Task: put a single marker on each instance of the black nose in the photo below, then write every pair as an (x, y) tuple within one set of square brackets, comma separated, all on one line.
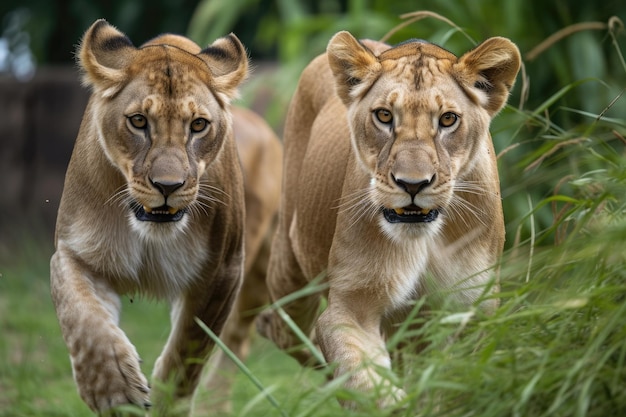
[(413, 187), (167, 187)]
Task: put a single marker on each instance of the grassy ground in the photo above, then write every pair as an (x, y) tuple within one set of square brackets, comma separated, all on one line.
[(34, 365)]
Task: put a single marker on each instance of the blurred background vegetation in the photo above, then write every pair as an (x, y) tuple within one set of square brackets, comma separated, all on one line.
[(558, 344)]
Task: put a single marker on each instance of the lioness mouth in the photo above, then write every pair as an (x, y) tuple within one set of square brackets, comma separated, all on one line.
[(410, 214), (161, 214)]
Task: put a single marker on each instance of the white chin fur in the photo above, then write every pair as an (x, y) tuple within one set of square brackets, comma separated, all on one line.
[(401, 232), (158, 232)]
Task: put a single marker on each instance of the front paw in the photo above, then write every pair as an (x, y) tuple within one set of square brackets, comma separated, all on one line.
[(390, 397), (375, 392), (109, 375)]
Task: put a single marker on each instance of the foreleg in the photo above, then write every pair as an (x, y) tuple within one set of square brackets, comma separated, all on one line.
[(105, 363)]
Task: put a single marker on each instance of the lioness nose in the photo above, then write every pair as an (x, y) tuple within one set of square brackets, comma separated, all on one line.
[(413, 187), (167, 187)]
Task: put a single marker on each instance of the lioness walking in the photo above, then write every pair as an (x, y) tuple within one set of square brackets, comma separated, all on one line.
[(391, 187), (153, 204)]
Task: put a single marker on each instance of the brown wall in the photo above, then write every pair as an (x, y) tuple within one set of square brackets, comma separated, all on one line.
[(39, 121)]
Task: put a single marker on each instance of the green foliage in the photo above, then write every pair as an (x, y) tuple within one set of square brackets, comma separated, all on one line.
[(35, 373), (54, 28)]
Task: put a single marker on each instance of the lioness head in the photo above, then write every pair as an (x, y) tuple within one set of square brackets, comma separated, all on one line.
[(162, 117), (419, 120)]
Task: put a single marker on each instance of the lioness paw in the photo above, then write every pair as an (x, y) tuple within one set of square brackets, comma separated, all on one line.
[(109, 376), (386, 395)]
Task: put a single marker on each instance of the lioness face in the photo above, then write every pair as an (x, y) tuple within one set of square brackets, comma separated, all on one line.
[(163, 120), (162, 141), (419, 120), (413, 142)]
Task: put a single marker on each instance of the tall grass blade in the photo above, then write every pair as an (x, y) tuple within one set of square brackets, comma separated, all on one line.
[(303, 338), (264, 391)]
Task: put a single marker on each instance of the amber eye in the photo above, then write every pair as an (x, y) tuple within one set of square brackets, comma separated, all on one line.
[(138, 121), (448, 119), (384, 116), (198, 125)]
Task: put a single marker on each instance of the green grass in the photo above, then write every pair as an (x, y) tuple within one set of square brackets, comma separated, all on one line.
[(34, 364)]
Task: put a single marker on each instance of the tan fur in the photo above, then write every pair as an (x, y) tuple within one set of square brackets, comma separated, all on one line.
[(261, 155), (143, 142), (343, 166)]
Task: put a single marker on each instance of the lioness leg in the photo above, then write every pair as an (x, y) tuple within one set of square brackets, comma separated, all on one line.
[(285, 277), (349, 334), (215, 400), (188, 344), (105, 363)]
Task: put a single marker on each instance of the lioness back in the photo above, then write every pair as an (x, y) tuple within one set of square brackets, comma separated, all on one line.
[(391, 192), (315, 157)]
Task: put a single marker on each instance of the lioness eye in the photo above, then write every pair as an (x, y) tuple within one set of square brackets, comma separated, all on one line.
[(138, 121), (384, 116), (198, 125), (448, 119)]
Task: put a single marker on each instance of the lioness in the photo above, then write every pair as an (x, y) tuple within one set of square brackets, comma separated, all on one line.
[(391, 187), (153, 204)]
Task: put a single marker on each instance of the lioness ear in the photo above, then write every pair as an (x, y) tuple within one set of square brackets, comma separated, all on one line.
[(228, 62), (353, 65), (103, 55), (490, 68)]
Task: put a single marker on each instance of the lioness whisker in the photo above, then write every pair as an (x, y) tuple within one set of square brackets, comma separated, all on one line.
[(461, 205), (119, 196), (205, 186), (456, 211), (360, 211), (473, 187), (207, 193), (208, 199), (364, 208), (199, 208), (349, 201)]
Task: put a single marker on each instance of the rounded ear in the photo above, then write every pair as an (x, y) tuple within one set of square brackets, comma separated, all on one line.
[(103, 55), (353, 65), (490, 70), (228, 63)]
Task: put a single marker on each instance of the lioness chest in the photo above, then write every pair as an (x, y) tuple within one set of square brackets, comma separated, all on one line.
[(131, 263)]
